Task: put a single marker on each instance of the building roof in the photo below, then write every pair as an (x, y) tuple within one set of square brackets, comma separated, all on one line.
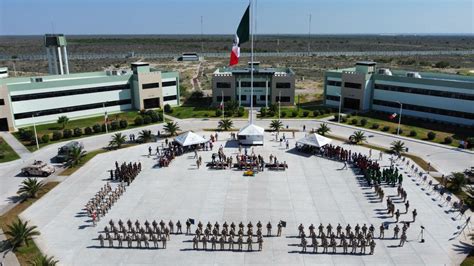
[(251, 130)]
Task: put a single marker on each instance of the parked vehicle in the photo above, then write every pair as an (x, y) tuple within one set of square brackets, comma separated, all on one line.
[(38, 168), (63, 152)]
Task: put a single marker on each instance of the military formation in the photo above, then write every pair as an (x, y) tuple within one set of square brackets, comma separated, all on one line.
[(138, 235), (233, 237), (100, 204)]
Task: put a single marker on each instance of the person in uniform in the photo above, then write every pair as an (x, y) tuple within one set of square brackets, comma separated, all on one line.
[(231, 242), (311, 230), (111, 242), (344, 246), (348, 229), (101, 240), (338, 230), (320, 229), (397, 215), (280, 226), (354, 247), (145, 241), (396, 230), (221, 242), (260, 243), (403, 239), (303, 244), (269, 229), (329, 229), (188, 227), (240, 241), (325, 245), (249, 243), (357, 229), (333, 244), (195, 242), (213, 243), (382, 231), (314, 243), (178, 228), (343, 237), (119, 238), (362, 245), (171, 225), (204, 243), (300, 230), (167, 233), (155, 241), (164, 241), (372, 247), (407, 205), (371, 230), (414, 214), (364, 230)]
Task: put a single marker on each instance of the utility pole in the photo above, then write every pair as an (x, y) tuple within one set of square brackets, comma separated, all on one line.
[(309, 35), (399, 118), (202, 36)]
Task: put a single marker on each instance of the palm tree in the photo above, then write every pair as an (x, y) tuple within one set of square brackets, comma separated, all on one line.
[(20, 233), (323, 129), (225, 124), (63, 120), (43, 260), (276, 125), (398, 147), (30, 187), (457, 182), (357, 137), (117, 140), (145, 136), (171, 127), (75, 155)]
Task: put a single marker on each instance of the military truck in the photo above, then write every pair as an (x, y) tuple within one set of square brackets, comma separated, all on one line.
[(38, 168), (63, 151)]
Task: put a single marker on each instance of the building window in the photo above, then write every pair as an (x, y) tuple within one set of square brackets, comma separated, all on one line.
[(263, 97), (71, 109), (2, 102), (425, 109), (168, 83), (150, 86), (256, 84), (52, 94), (151, 103), (283, 85), (334, 83), (223, 85), (243, 97), (352, 85), (226, 98), (170, 98), (332, 98), (284, 99), (437, 93)]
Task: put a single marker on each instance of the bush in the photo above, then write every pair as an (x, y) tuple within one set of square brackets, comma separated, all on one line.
[(470, 142), (88, 131), (168, 109), (336, 116), (146, 120), (448, 140), (153, 115), (386, 128), (283, 114), (400, 132), (363, 122), (316, 113), (138, 121), (77, 132), (218, 112), (263, 111), (241, 111), (124, 124), (305, 113), (354, 121), (431, 135), (375, 125), (26, 134), (105, 127), (294, 113), (413, 133), (348, 116), (45, 138), (344, 119), (442, 64), (114, 125), (67, 133), (97, 128), (327, 111), (57, 135)]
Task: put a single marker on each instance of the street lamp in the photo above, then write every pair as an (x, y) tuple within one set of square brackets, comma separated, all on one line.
[(399, 118), (279, 104), (34, 128), (340, 104)]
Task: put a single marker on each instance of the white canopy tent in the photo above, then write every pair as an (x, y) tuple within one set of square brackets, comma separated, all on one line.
[(314, 140), (251, 135), (190, 138)]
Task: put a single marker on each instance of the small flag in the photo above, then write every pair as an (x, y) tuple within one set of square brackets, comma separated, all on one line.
[(241, 36), (283, 223), (191, 220), (106, 117), (392, 116), (221, 105)]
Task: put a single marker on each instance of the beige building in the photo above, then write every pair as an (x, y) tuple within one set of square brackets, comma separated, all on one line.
[(270, 85)]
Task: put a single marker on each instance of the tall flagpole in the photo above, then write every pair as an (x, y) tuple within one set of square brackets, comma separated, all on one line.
[(251, 63)]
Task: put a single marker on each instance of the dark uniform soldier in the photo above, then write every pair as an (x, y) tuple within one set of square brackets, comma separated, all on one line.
[(354, 247), (396, 230), (240, 241), (357, 229), (231, 243), (344, 246), (333, 244), (343, 237), (329, 229), (314, 242), (145, 241), (259, 225), (195, 242), (204, 242), (269, 229), (338, 230), (382, 231), (311, 230), (260, 243), (249, 242), (188, 227), (372, 247), (222, 242), (397, 214), (280, 225), (362, 245), (213, 243), (164, 241), (348, 229), (414, 214), (325, 245), (403, 239), (407, 205), (300, 229), (371, 230), (101, 239), (320, 229), (178, 228), (171, 225), (154, 238), (167, 233), (364, 230), (129, 241), (303, 244), (119, 238)]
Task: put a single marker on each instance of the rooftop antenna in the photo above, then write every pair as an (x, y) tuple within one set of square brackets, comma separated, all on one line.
[(309, 35), (202, 38)]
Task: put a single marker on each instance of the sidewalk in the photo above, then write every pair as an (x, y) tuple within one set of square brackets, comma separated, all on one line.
[(7, 258), (21, 150)]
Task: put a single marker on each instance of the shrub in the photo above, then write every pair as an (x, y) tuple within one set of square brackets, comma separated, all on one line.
[(263, 111), (67, 133), (448, 140), (470, 142), (431, 135), (336, 116), (168, 109), (344, 119), (413, 133), (348, 116), (241, 111), (218, 112), (138, 121), (124, 124), (25, 134), (294, 113), (57, 135), (88, 131), (305, 113), (104, 127), (354, 121), (77, 132), (375, 125), (283, 114), (316, 113), (97, 128), (363, 122), (327, 111), (45, 138), (114, 125), (206, 115), (386, 128), (400, 131), (153, 115), (146, 120)]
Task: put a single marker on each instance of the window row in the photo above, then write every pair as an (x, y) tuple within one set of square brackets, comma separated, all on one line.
[(226, 98), (425, 109), (332, 98), (168, 83), (256, 84), (70, 109), (352, 85), (283, 85), (154, 85), (446, 94), (52, 94), (170, 98), (284, 99), (334, 83), (223, 85)]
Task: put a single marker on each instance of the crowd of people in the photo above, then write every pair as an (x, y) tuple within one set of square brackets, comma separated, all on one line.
[(125, 172), (100, 204)]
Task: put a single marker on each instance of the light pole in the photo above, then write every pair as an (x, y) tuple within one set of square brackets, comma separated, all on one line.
[(340, 105), (279, 104), (36, 135), (399, 118)]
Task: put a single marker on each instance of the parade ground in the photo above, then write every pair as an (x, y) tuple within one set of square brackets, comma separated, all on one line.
[(312, 190)]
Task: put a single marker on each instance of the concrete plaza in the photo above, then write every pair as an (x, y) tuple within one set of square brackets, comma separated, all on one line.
[(313, 190)]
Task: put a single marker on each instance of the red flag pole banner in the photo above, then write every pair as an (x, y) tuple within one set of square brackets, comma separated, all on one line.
[(241, 36), (392, 116)]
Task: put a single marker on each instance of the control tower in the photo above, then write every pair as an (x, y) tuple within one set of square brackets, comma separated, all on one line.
[(57, 54)]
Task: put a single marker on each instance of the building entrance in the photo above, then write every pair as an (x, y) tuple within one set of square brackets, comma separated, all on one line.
[(3, 124)]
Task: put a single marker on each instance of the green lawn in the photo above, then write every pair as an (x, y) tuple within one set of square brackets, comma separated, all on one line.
[(420, 127), (6, 152), (183, 112), (305, 112)]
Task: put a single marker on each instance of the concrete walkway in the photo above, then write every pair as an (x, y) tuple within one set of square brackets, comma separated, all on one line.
[(16, 145), (7, 258)]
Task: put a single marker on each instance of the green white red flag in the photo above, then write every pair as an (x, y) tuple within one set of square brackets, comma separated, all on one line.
[(241, 36)]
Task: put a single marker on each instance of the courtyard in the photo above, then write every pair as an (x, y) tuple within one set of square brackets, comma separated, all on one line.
[(312, 190)]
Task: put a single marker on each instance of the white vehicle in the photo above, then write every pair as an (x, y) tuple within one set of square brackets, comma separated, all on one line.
[(38, 168)]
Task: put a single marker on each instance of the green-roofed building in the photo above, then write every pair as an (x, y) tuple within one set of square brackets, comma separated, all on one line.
[(42, 99), (441, 97), (270, 85)]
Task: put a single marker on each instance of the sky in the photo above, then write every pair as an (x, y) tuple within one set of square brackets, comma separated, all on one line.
[(37, 17)]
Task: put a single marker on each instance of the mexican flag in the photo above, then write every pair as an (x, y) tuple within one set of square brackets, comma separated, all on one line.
[(241, 36), (392, 116)]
